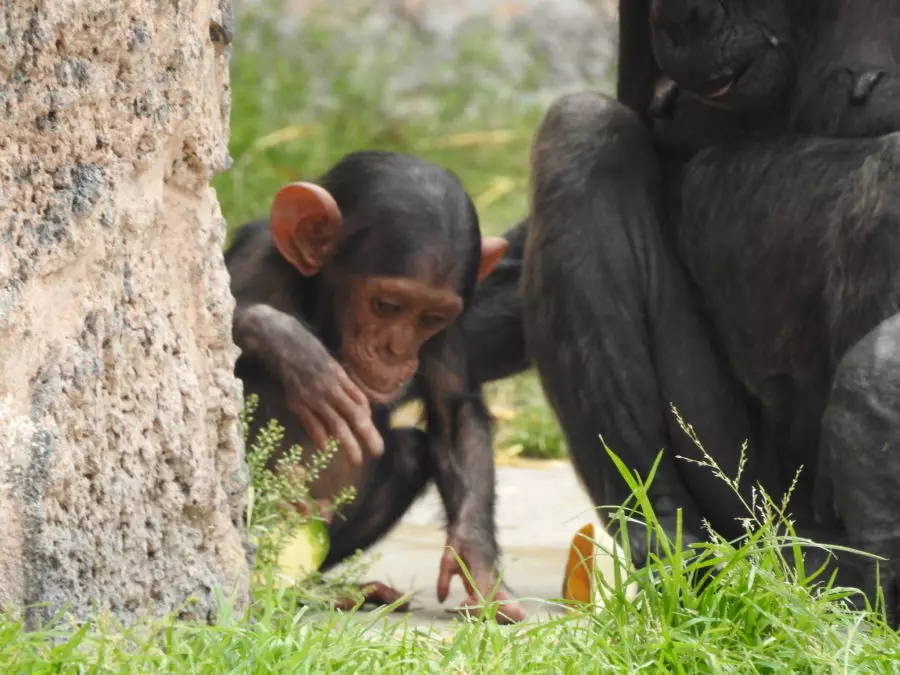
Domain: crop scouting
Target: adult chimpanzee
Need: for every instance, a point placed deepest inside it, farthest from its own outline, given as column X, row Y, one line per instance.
column 349, row 290
column 730, row 245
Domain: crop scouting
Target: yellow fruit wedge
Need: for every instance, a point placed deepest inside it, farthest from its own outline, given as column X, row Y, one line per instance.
column 410, row 414
column 578, row 584
column 305, row 552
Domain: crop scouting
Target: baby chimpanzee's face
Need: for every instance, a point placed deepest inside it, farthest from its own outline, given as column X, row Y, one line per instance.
column 384, row 322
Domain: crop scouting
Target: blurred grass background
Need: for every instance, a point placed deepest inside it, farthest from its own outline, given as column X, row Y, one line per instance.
column 314, row 81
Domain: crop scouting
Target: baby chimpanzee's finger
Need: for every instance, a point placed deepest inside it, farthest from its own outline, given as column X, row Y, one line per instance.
column 341, row 431
column 366, row 432
column 352, row 389
column 314, row 426
column 449, row 568
column 355, row 409
column 506, row 612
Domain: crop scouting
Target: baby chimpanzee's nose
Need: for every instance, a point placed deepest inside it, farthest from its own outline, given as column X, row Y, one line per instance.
column 401, row 342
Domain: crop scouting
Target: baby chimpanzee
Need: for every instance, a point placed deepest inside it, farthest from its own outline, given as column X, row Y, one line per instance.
column 349, row 292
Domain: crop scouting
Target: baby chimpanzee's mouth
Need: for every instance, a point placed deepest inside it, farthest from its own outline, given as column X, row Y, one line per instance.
column 381, row 394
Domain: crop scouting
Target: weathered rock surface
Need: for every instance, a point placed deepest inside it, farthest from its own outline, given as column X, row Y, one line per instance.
column 121, row 466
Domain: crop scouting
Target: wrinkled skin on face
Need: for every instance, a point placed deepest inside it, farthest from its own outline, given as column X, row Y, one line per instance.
column 384, row 323
column 734, row 54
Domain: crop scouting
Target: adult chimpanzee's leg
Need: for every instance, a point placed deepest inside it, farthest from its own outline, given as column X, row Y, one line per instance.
column 612, row 325
column 861, row 453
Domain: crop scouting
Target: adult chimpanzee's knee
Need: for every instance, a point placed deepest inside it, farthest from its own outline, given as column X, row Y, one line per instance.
column 611, row 322
column 862, row 452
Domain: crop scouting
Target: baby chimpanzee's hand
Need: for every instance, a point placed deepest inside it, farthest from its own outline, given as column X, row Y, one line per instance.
column 328, row 403
column 483, row 587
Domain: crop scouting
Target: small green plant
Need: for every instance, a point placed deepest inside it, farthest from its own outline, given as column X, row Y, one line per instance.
column 276, row 490
column 273, row 520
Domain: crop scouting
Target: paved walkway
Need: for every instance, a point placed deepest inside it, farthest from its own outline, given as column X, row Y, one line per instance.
column 538, row 512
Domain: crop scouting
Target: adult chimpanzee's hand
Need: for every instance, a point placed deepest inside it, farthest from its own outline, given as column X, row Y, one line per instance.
column 479, row 579
column 328, row 403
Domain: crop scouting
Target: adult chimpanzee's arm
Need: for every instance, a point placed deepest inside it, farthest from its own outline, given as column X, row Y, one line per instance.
column 612, row 324
column 459, row 437
column 849, row 81
column 792, row 237
column 492, row 325
column 637, row 71
column 874, row 110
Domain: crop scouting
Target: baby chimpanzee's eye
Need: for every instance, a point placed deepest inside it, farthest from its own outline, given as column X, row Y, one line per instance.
column 432, row 321
column 385, row 308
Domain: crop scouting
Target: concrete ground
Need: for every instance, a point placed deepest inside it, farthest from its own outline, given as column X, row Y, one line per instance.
column 539, row 509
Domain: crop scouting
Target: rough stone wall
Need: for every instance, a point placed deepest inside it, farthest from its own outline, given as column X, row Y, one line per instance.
column 121, row 466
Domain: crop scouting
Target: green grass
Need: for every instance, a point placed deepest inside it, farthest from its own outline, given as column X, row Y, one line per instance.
column 528, row 429
column 301, row 100
column 741, row 638
column 754, row 614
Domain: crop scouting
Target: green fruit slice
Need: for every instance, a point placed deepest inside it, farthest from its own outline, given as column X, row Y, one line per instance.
column 305, row 552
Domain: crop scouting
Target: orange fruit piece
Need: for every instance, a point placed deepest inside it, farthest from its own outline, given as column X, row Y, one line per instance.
column 578, row 584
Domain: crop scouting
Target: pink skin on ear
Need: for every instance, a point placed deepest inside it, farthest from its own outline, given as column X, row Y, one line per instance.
column 492, row 251
column 305, row 223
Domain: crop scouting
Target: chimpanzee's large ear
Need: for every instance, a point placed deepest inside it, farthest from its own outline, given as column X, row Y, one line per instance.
column 492, row 251
column 305, row 222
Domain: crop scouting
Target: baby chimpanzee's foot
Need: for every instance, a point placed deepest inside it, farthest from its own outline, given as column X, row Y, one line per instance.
column 376, row 593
